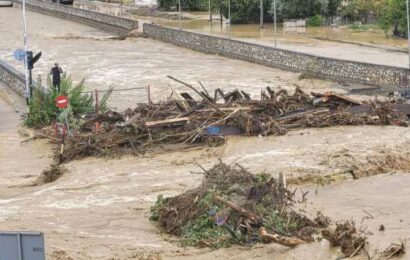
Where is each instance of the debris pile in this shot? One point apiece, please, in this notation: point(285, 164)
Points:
point(184, 121)
point(395, 250)
point(50, 175)
point(234, 206)
point(347, 237)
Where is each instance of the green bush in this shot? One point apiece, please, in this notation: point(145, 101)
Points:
point(246, 11)
point(42, 108)
point(316, 20)
point(192, 5)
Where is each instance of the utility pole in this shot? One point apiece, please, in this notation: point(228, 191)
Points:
point(221, 15)
point(25, 53)
point(179, 17)
point(408, 35)
point(274, 22)
point(210, 10)
point(229, 16)
point(261, 16)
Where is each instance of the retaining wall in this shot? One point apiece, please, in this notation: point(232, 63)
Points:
point(12, 78)
point(334, 69)
point(99, 20)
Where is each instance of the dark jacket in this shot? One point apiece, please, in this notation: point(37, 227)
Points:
point(56, 72)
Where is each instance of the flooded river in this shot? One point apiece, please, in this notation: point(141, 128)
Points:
point(366, 44)
point(85, 52)
point(370, 202)
point(99, 209)
point(199, 21)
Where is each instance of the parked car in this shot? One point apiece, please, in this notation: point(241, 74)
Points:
point(63, 2)
point(6, 3)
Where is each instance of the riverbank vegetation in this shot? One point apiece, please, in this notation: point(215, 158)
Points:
point(43, 110)
point(390, 15)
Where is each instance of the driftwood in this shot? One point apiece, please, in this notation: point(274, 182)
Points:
point(394, 250)
point(285, 241)
point(192, 122)
point(173, 121)
point(199, 93)
point(337, 97)
point(254, 218)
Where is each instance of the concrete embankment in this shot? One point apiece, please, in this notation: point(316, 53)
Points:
point(102, 21)
point(324, 67)
point(12, 78)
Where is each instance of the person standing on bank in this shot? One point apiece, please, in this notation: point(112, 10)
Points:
point(56, 72)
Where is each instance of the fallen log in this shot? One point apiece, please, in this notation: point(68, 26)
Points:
point(173, 121)
point(251, 216)
point(199, 93)
point(282, 240)
point(327, 96)
point(227, 109)
point(301, 113)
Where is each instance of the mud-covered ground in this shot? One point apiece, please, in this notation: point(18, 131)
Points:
point(99, 208)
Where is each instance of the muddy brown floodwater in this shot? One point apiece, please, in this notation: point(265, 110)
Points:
point(99, 208)
point(87, 53)
point(366, 44)
point(370, 202)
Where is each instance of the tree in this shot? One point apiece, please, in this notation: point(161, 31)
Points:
point(246, 11)
point(393, 16)
point(192, 5)
point(333, 7)
point(363, 10)
point(287, 9)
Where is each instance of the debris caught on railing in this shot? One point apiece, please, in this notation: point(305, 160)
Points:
point(185, 121)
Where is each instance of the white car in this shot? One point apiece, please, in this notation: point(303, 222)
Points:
point(4, 3)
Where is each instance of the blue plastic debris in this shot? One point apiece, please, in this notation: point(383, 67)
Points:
point(213, 130)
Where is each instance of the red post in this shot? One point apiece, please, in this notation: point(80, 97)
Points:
point(96, 102)
point(149, 94)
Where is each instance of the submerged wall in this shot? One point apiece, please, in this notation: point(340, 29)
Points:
point(328, 68)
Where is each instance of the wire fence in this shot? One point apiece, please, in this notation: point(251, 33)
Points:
point(97, 99)
point(114, 90)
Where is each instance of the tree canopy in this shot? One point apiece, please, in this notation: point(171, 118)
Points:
point(393, 16)
point(390, 14)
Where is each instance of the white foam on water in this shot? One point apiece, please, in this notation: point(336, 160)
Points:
point(257, 155)
point(6, 211)
point(88, 202)
point(6, 201)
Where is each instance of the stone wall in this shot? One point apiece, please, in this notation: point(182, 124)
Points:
point(328, 68)
point(12, 78)
point(99, 20)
